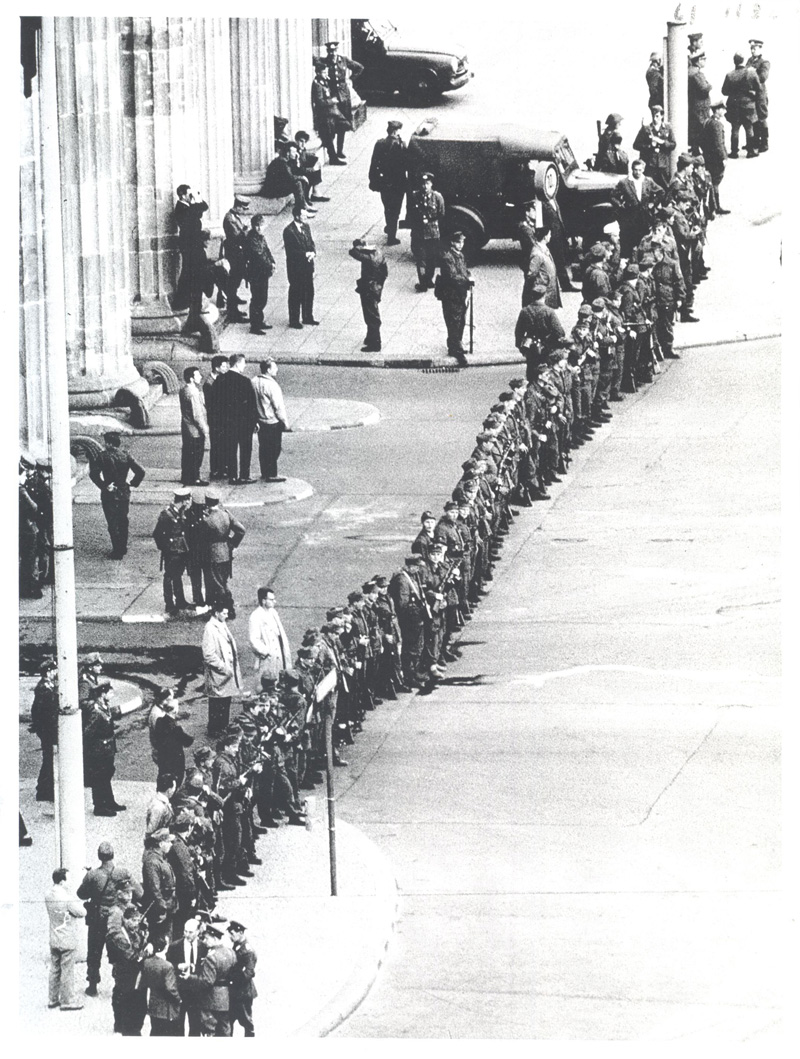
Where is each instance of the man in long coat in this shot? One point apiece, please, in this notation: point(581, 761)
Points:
point(268, 639)
point(100, 750)
point(222, 672)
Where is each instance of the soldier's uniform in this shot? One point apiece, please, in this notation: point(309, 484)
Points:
point(170, 537)
point(158, 884)
point(538, 330)
point(212, 981)
point(221, 534)
point(193, 521)
point(29, 587)
point(761, 124)
point(44, 724)
point(742, 87)
point(406, 593)
point(235, 226)
point(99, 753)
point(369, 287)
point(99, 888)
point(425, 213)
point(452, 289)
point(125, 944)
point(388, 174)
point(243, 987)
point(109, 471)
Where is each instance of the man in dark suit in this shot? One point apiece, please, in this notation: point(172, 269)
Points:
point(235, 406)
point(164, 1000)
point(185, 955)
point(635, 198)
point(243, 987)
point(189, 210)
point(715, 152)
point(216, 466)
point(301, 251)
point(109, 472)
point(388, 174)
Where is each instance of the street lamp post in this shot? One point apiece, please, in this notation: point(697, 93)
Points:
point(71, 836)
point(677, 95)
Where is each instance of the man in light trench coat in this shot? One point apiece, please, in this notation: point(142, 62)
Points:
point(268, 639)
point(221, 661)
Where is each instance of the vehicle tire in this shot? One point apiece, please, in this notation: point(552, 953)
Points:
point(465, 219)
point(420, 89)
point(546, 180)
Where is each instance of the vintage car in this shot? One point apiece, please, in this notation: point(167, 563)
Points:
point(486, 173)
point(418, 69)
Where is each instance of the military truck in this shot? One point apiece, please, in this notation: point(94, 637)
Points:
point(487, 172)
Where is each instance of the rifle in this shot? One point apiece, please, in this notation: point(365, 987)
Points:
point(471, 317)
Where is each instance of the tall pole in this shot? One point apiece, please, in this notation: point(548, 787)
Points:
point(331, 798)
point(69, 793)
point(677, 89)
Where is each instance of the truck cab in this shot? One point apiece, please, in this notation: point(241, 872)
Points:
point(487, 173)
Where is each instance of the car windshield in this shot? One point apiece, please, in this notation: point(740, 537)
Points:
point(565, 158)
point(382, 28)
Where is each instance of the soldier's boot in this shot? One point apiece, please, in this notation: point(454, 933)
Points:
point(764, 139)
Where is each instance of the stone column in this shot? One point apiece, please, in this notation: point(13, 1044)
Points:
point(211, 87)
point(325, 29)
point(33, 405)
point(176, 84)
point(95, 224)
point(253, 103)
point(291, 58)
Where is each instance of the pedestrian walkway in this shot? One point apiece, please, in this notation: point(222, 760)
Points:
point(413, 328)
point(317, 955)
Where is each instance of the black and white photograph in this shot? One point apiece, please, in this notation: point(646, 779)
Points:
point(407, 486)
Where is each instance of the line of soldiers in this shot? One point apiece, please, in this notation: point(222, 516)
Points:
point(194, 979)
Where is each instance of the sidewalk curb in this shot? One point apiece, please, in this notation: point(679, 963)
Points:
point(365, 972)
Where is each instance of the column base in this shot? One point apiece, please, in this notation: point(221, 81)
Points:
point(102, 391)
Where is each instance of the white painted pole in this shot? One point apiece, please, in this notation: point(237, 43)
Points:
point(69, 792)
point(677, 75)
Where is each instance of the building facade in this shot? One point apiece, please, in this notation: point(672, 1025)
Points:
point(143, 105)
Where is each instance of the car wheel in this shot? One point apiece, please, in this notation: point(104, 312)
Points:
point(420, 89)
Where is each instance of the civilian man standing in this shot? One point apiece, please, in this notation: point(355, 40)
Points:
point(271, 420)
point(221, 661)
point(194, 427)
point(189, 210)
point(216, 466)
point(388, 174)
point(634, 198)
point(268, 639)
point(109, 471)
point(234, 403)
point(301, 251)
point(64, 911)
point(260, 266)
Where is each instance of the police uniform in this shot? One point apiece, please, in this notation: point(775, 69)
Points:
point(242, 988)
point(99, 753)
point(742, 87)
point(109, 471)
point(213, 981)
point(44, 724)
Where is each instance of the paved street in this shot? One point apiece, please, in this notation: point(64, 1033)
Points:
point(584, 817)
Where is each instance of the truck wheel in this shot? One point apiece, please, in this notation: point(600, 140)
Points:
point(546, 180)
point(466, 220)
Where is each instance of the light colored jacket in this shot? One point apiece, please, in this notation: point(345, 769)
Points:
point(194, 423)
point(221, 660)
point(269, 643)
point(269, 400)
point(65, 912)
